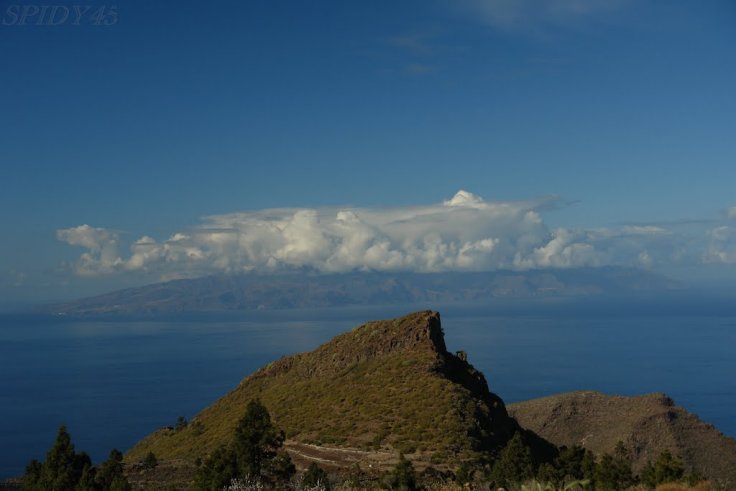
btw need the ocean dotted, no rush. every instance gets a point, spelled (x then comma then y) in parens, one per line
(114, 380)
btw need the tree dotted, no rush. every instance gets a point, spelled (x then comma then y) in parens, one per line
(254, 453)
(614, 471)
(62, 469)
(280, 468)
(109, 475)
(403, 477)
(257, 441)
(515, 463)
(218, 470)
(314, 477)
(665, 469)
(587, 466)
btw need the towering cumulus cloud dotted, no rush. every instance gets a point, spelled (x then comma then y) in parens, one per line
(464, 233)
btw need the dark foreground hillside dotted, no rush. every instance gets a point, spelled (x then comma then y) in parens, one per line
(646, 425)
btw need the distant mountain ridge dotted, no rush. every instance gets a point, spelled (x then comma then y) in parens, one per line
(250, 292)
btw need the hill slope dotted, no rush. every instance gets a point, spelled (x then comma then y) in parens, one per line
(387, 385)
(646, 424)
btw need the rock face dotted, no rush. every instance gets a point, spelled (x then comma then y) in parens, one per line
(384, 387)
(646, 425)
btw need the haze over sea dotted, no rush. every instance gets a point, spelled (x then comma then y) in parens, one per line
(113, 380)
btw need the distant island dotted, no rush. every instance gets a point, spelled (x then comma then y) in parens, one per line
(303, 290)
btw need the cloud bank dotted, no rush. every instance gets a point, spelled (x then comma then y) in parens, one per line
(464, 233)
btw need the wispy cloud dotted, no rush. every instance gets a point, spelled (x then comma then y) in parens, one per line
(535, 14)
(419, 68)
(463, 233)
(417, 52)
(414, 44)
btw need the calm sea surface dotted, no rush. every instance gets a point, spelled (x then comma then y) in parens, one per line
(114, 381)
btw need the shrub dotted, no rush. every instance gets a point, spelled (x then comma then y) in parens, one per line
(403, 477)
(181, 423)
(315, 477)
(665, 469)
(150, 462)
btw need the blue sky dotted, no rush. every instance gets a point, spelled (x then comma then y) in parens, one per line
(596, 116)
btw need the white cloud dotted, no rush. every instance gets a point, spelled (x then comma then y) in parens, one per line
(721, 245)
(464, 233)
(565, 249)
(731, 213)
(102, 249)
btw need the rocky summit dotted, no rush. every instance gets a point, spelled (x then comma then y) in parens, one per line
(385, 387)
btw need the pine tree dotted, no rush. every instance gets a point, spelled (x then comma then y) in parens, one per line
(256, 440)
(62, 469)
(255, 453)
(613, 472)
(217, 471)
(515, 463)
(110, 473)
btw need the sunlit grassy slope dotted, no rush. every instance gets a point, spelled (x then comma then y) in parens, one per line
(387, 384)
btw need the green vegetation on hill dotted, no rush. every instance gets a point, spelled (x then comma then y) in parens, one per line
(385, 385)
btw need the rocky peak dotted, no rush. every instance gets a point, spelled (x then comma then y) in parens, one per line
(419, 332)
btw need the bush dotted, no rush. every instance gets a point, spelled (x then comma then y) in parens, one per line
(150, 462)
(403, 477)
(181, 423)
(315, 477)
(665, 469)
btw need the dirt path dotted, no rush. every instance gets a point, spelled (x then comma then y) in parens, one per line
(332, 458)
